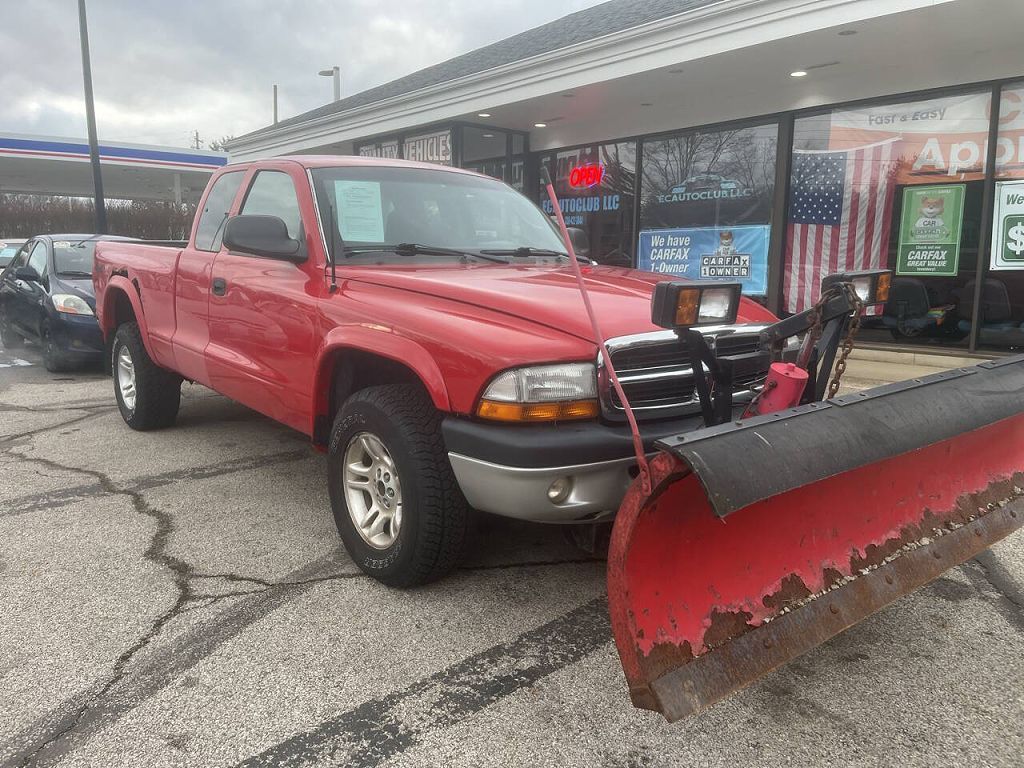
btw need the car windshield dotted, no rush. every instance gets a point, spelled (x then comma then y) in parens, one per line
(374, 209)
(73, 257)
(8, 250)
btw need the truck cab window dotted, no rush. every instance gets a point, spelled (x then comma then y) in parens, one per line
(273, 194)
(216, 210)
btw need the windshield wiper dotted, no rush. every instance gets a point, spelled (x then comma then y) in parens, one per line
(415, 249)
(524, 251)
(74, 273)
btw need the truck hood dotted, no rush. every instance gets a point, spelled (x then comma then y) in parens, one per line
(543, 294)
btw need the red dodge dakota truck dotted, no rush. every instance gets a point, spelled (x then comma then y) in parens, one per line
(424, 327)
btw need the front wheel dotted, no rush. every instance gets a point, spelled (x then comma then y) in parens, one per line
(396, 503)
(53, 359)
(148, 396)
(10, 338)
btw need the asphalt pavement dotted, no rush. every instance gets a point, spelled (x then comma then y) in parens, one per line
(180, 598)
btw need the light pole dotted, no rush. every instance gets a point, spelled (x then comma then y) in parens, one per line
(90, 120)
(334, 72)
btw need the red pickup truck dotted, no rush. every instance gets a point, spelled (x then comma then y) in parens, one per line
(423, 326)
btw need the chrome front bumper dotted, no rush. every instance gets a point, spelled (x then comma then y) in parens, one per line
(519, 492)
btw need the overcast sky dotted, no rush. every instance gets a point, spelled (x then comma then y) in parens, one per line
(165, 68)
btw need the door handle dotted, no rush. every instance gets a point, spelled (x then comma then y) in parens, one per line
(220, 286)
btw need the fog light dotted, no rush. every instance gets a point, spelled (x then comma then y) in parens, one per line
(559, 490)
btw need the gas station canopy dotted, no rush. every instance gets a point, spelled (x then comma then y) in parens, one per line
(48, 165)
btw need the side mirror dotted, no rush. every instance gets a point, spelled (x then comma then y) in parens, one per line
(262, 236)
(580, 241)
(28, 274)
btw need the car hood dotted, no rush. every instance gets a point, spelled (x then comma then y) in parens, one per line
(544, 294)
(74, 285)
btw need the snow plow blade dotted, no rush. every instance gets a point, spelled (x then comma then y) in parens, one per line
(763, 538)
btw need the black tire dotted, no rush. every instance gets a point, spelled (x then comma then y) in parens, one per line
(157, 390)
(10, 338)
(431, 539)
(53, 360)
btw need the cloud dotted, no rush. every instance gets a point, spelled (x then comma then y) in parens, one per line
(164, 70)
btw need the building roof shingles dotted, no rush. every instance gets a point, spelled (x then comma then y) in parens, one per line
(588, 24)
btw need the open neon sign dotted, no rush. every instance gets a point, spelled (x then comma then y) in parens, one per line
(586, 175)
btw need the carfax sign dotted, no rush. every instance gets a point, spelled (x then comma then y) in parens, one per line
(1008, 227)
(930, 230)
(737, 253)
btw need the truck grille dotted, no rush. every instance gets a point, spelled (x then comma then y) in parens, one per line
(656, 373)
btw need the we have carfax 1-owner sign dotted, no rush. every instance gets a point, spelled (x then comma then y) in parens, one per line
(738, 253)
(930, 230)
(1008, 229)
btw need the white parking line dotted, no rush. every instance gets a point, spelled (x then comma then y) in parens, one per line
(13, 362)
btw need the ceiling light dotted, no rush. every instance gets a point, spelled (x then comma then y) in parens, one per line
(798, 73)
(540, 125)
(488, 135)
(483, 114)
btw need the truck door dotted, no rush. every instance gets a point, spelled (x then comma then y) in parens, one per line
(192, 279)
(263, 311)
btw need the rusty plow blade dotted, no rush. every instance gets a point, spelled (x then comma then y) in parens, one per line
(765, 537)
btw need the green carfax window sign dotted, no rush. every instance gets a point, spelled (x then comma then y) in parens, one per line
(1008, 227)
(930, 230)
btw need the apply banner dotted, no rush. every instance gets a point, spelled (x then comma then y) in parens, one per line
(737, 254)
(942, 139)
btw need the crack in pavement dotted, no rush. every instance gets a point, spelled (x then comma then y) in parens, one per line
(156, 552)
(7, 441)
(36, 502)
(377, 730)
(984, 569)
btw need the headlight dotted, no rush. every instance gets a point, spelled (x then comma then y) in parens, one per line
(679, 305)
(542, 393)
(70, 304)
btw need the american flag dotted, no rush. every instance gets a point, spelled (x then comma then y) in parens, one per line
(839, 217)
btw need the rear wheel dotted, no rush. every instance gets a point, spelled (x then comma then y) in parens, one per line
(148, 396)
(396, 503)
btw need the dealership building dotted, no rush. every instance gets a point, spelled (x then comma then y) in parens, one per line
(766, 141)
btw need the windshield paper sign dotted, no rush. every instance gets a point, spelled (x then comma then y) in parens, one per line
(930, 230)
(1008, 231)
(737, 254)
(360, 213)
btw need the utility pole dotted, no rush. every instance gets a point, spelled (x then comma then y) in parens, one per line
(90, 120)
(334, 72)
(275, 103)
(196, 143)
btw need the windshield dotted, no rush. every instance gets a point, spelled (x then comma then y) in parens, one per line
(73, 258)
(373, 206)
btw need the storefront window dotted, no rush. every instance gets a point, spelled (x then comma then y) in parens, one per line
(898, 186)
(387, 149)
(706, 204)
(1001, 303)
(595, 187)
(484, 150)
(429, 147)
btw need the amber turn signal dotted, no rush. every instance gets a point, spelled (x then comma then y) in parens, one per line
(534, 412)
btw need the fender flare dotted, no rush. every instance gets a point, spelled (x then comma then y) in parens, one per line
(121, 284)
(383, 342)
